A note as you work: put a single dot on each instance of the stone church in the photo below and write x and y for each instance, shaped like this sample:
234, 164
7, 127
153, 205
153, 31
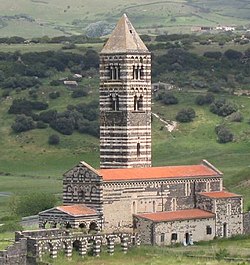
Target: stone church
165, 205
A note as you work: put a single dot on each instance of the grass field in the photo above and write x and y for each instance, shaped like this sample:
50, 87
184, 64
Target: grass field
147, 255
62, 17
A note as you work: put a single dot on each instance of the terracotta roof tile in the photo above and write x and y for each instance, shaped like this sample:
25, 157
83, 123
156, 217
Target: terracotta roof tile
177, 215
76, 210
219, 194
157, 172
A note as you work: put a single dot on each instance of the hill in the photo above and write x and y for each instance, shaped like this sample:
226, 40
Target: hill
28, 162
33, 18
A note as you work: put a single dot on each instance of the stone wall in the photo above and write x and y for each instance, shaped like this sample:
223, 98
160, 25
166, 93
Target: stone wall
14, 254
229, 218
123, 199
246, 223
186, 231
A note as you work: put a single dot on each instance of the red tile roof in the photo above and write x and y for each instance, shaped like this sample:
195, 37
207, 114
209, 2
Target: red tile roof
219, 194
177, 215
76, 210
157, 172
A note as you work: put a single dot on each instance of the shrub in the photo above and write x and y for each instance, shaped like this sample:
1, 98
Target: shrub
55, 83
185, 115
54, 95
48, 116
33, 203
41, 125
5, 93
224, 134
79, 93
169, 98
64, 125
54, 139
23, 123
236, 117
221, 107
204, 99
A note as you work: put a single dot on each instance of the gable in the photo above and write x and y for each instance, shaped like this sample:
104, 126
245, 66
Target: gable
82, 173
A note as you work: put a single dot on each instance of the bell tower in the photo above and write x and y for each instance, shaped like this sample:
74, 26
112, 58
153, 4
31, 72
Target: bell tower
125, 99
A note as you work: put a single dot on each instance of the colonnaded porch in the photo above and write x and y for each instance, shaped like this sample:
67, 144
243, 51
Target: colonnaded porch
54, 241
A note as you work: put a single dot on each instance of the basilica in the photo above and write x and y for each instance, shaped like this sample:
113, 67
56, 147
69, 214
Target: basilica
165, 205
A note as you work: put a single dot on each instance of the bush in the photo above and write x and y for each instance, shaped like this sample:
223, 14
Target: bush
204, 99
54, 95
23, 123
236, 117
5, 93
55, 83
168, 98
185, 115
64, 125
48, 116
79, 93
32, 203
41, 125
223, 108
224, 134
54, 139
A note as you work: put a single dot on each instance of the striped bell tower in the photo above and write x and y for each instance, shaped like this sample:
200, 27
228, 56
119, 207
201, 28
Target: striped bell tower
125, 99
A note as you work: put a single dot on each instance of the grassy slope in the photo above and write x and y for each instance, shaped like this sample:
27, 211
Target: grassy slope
53, 16
146, 255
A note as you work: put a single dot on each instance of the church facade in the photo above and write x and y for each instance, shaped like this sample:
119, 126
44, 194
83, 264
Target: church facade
164, 205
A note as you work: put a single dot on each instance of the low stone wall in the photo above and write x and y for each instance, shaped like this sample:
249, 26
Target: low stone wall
246, 223
15, 254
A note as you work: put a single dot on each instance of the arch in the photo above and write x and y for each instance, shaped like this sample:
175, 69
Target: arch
93, 227
68, 225
83, 225
134, 207
76, 245
47, 247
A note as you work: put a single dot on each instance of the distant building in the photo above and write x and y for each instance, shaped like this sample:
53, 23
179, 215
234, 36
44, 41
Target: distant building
70, 84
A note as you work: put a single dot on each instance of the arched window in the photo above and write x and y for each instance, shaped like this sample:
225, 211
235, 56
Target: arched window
138, 149
140, 103
135, 102
117, 102
134, 209
173, 204
141, 72
154, 207
114, 101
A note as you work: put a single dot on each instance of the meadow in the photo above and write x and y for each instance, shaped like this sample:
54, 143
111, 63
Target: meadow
205, 253
56, 17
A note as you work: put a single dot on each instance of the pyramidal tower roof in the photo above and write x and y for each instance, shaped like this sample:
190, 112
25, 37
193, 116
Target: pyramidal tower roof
124, 39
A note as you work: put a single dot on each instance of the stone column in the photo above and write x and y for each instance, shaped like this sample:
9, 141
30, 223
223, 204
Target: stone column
83, 249
97, 247
124, 243
53, 252
68, 251
110, 246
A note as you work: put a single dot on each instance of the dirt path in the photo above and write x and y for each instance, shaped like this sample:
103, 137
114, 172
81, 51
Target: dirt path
170, 125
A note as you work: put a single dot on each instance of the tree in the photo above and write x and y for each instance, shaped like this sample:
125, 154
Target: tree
221, 107
54, 139
23, 123
33, 203
167, 98
79, 93
185, 115
224, 134
232, 54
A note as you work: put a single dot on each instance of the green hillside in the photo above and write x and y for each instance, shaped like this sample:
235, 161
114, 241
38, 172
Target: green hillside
28, 163
31, 18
